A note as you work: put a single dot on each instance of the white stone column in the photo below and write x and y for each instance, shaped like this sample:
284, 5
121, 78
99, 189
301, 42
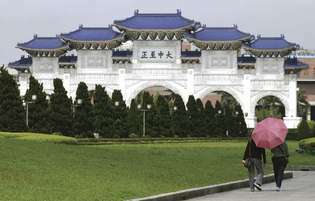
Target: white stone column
122, 81
190, 83
249, 115
291, 120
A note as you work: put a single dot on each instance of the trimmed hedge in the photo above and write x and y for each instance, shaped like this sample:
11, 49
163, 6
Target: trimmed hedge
308, 145
101, 141
38, 137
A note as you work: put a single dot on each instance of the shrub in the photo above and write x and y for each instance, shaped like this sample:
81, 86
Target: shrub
308, 145
133, 135
303, 129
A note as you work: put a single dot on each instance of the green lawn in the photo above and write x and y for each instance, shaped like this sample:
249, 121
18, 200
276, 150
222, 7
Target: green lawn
35, 169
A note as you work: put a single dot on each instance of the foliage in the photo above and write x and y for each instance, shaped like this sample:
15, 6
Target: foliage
303, 129
102, 112
239, 124
193, 114
133, 119
60, 110
179, 117
82, 122
12, 115
269, 106
219, 120
307, 145
38, 137
119, 115
302, 104
162, 123
209, 119
38, 116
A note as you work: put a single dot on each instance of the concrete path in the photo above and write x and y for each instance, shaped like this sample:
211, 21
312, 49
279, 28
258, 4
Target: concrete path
300, 188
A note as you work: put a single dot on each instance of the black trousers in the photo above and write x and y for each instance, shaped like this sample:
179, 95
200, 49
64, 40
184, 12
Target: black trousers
279, 165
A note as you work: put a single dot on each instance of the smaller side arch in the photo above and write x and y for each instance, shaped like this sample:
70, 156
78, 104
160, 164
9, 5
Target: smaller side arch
234, 93
282, 97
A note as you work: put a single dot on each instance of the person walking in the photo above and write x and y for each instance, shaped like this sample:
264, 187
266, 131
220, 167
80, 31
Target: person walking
255, 155
280, 155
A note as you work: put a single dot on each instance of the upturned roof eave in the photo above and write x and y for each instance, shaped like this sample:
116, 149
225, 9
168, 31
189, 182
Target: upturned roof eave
218, 41
117, 38
122, 27
63, 48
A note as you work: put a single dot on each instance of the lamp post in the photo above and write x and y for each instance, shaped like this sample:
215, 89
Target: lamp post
25, 103
144, 110
79, 102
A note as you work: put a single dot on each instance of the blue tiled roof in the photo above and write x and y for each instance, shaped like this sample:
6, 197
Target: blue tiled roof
271, 43
219, 34
21, 64
43, 43
125, 53
246, 59
191, 53
294, 63
152, 21
68, 59
92, 34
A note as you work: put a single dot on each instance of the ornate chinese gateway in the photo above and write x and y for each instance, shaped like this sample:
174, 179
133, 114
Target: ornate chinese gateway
146, 50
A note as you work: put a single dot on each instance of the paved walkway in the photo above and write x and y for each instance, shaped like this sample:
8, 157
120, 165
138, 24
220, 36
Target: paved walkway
300, 188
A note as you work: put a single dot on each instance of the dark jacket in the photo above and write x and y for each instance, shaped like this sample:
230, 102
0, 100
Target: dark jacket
256, 152
280, 151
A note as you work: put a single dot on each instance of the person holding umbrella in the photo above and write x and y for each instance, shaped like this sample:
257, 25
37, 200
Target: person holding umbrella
252, 160
280, 155
271, 133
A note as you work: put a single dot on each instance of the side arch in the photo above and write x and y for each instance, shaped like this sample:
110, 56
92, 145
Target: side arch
282, 97
134, 90
233, 92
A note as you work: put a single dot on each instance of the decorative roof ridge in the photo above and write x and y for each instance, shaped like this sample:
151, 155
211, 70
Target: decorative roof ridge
136, 13
81, 27
281, 37
36, 37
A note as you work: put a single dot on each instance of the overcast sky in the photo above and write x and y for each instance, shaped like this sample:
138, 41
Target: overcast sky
21, 19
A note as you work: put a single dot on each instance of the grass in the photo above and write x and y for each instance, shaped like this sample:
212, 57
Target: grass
35, 170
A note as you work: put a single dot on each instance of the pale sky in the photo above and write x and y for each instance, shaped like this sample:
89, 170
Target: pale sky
21, 19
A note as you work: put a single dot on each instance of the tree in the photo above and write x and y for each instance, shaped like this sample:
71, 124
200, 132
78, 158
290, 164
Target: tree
193, 115
163, 118
201, 121
133, 119
209, 119
82, 122
12, 115
240, 128
60, 110
119, 115
219, 120
38, 116
102, 112
179, 117
145, 100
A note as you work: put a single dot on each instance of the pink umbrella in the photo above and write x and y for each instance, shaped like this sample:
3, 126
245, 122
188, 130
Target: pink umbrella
270, 133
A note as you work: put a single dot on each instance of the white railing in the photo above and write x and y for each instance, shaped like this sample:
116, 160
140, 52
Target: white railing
97, 78
209, 79
156, 74
276, 85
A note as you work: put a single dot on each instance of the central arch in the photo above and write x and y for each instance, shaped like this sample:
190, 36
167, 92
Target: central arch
134, 90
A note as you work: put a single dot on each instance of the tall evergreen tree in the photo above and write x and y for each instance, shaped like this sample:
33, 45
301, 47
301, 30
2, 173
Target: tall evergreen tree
180, 119
209, 119
201, 123
163, 118
60, 110
119, 115
38, 116
133, 119
12, 115
239, 124
82, 122
103, 120
193, 115
219, 120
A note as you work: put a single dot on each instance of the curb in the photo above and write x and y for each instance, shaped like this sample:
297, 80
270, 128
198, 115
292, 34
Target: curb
301, 168
202, 191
